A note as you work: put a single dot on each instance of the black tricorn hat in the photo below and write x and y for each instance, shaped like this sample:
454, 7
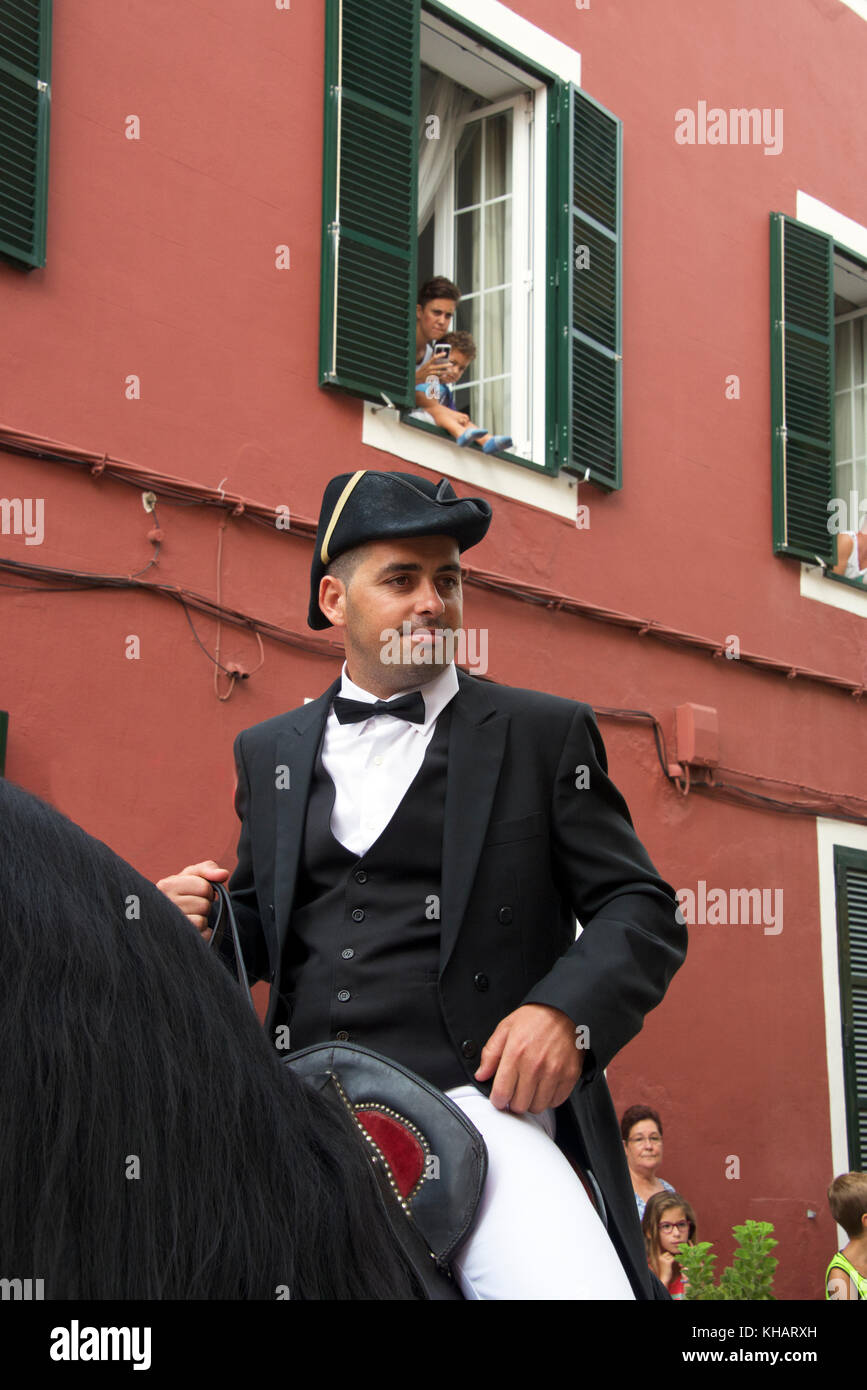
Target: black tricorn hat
372, 505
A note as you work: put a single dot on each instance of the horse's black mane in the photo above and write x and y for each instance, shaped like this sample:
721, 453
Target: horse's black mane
151, 1143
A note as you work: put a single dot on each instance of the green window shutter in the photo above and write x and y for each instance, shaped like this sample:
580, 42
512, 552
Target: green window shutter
370, 197
25, 73
802, 388
589, 373
850, 869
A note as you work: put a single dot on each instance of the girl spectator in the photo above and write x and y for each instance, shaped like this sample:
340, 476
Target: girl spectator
668, 1222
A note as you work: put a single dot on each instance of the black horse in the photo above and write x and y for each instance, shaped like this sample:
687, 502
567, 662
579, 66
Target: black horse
152, 1146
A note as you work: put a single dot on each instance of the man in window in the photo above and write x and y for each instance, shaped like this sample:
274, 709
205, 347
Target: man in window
437, 301
413, 888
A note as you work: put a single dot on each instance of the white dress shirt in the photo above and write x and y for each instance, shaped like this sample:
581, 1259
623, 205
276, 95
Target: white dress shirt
373, 763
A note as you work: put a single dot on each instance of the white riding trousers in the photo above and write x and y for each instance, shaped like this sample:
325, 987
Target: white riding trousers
537, 1234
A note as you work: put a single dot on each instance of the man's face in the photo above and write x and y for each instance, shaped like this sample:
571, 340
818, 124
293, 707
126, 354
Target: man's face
400, 595
434, 319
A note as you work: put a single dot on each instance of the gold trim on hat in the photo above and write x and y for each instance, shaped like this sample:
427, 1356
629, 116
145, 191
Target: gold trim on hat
335, 515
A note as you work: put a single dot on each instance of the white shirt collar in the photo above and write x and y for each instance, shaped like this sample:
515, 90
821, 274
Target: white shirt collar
436, 695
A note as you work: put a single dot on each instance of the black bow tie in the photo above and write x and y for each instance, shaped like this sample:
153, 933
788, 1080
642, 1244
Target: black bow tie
410, 707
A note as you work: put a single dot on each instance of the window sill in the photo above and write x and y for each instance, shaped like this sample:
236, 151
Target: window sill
416, 441
505, 457
833, 589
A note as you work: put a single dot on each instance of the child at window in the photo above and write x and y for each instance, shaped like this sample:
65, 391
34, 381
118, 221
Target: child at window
846, 1275
668, 1222
852, 555
439, 399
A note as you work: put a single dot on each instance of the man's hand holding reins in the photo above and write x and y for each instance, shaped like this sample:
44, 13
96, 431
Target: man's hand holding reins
191, 891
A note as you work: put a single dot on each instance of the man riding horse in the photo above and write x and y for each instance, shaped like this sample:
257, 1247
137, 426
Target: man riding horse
415, 847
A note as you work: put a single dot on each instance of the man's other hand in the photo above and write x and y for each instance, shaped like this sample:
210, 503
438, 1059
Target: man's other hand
191, 891
533, 1058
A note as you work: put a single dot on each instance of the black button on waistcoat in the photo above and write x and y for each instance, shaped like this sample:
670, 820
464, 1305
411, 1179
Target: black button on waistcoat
358, 914
504, 915
347, 953
468, 1048
481, 982
343, 995
360, 875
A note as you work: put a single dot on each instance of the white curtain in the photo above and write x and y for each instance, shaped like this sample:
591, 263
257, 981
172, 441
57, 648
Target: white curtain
851, 413
447, 101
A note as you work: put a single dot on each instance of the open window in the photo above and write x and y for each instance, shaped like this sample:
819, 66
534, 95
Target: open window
819, 391
476, 222
449, 153
850, 872
25, 68
850, 392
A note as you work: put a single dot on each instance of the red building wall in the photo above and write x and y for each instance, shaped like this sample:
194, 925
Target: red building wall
161, 264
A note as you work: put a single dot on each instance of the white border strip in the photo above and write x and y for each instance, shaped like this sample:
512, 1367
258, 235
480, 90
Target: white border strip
826, 219
815, 586
519, 34
382, 429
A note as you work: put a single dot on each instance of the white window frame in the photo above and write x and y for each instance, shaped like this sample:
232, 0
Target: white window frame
846, 835
525, 269
848, 233
849, 390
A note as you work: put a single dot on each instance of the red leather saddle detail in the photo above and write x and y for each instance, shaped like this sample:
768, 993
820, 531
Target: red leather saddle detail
401, 1149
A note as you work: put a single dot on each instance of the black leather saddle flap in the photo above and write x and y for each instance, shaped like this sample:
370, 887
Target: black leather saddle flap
443, 1202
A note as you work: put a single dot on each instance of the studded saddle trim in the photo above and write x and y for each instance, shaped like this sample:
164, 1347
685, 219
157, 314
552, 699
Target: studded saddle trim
378, 1155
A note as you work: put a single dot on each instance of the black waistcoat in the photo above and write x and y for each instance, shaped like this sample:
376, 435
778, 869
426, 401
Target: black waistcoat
363, 960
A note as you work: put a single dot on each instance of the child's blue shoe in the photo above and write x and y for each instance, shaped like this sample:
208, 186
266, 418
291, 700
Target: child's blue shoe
497, 443
469, 435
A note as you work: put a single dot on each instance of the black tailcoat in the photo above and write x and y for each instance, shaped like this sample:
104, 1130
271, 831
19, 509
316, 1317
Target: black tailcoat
535, 835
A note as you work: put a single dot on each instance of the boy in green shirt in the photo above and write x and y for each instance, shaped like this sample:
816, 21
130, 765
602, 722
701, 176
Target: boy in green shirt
846, 1275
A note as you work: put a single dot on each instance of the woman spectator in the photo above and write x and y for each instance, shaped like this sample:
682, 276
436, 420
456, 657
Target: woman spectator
641, 1130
